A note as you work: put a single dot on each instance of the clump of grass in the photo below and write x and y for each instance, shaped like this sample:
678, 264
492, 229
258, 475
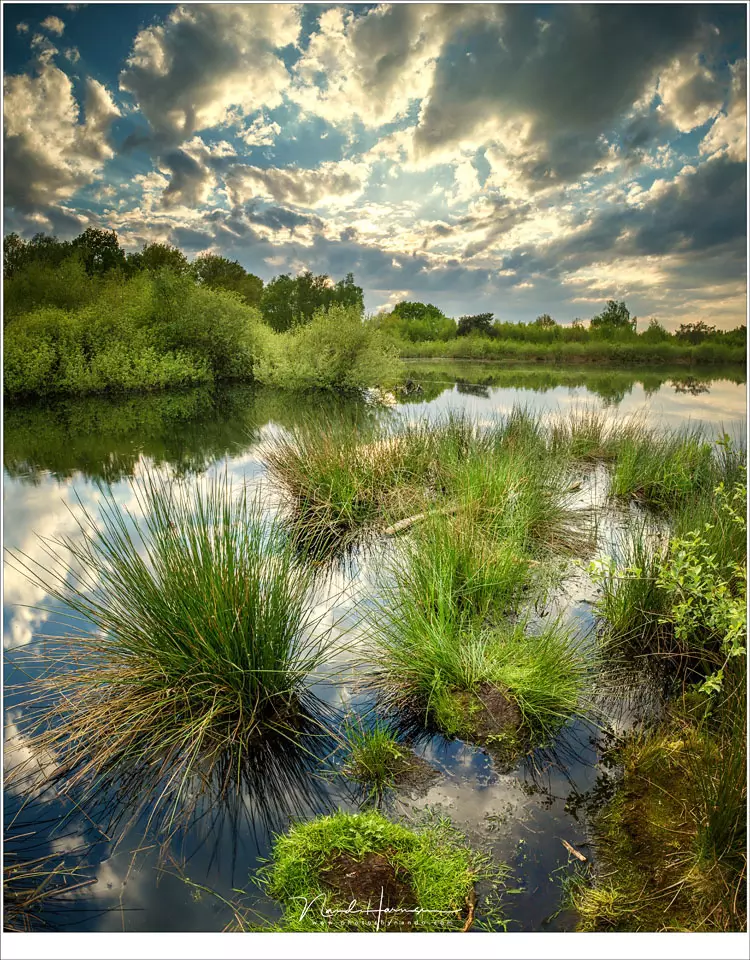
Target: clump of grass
663, 470
203, 638
397, 876
632, 607
521, 497
455, 574
375, 755
584, 434
532, 680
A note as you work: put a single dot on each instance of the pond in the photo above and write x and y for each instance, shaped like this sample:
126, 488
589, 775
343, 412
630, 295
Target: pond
54, 459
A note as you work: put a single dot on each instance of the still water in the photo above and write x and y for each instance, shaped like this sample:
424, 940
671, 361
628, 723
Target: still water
54, 459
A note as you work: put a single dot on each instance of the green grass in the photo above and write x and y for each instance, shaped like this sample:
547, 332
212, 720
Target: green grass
587, 349
419, 668
433, 861
202, 645
373, 754
632, 606
663, 470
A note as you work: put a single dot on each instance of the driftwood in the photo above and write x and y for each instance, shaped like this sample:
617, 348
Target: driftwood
407, 522
470, 917
573, 850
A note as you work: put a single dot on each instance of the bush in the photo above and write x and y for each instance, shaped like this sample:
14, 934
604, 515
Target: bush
336, 351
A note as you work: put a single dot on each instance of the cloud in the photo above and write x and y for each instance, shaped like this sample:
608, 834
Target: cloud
260, 133
53, 25
371, 65
49, 152
190, 71
690, 93
72, 54
308, 188
729, 132
22, 27
548, 91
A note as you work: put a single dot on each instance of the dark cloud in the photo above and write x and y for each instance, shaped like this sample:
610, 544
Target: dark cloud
282, 218
569, 72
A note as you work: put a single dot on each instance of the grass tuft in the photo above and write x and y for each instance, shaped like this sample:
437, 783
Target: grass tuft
202, 644
427, 875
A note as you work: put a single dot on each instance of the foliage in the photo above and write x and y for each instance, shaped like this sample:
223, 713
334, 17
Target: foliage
694, 332
545, 321
287, 302
413, 321
479, 323
100, 251
374, 754
218, 273
707, 610
615, 316
334, 351
155, 257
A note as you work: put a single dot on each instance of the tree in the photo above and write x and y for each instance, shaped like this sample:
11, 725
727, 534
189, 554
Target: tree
480, 323
287, 301
157, 256
545, 321
655, 333
14, 254
615, 316
694, 332
412, 320
100, 251
220, 273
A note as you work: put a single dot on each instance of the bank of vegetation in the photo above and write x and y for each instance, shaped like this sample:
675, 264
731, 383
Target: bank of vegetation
83, 317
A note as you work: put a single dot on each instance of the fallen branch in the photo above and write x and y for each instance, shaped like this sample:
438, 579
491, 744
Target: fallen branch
407, 522
573, 850
470, 917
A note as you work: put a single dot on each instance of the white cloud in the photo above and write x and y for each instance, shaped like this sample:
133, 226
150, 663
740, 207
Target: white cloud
729, 132
309, 188
53, 25
22, 27
261, 132
374, 64
204, 61
50, 152
690, 93
72, 54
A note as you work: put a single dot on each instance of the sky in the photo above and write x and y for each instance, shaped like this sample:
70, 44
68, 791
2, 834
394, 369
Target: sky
513, 158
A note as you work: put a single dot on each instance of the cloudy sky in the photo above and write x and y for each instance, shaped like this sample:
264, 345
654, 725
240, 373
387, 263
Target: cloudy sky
518, 158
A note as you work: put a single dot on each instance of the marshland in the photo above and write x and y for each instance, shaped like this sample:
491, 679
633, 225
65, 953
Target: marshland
478, 643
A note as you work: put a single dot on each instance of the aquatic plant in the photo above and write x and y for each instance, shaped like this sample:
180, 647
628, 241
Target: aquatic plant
374, 755
477, 684
398, 876
203, 638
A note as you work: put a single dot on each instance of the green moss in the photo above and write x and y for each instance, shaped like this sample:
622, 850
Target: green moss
670, 843
433, 866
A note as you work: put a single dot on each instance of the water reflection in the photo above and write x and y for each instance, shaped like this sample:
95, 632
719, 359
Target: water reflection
519, 815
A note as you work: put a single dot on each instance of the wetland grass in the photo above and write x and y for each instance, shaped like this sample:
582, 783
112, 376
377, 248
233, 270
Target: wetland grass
200, 644
362, 872
663, 470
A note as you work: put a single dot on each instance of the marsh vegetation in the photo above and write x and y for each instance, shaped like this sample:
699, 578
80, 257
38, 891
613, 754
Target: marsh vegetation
196, 662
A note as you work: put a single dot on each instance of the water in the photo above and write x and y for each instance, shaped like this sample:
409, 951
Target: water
53, 459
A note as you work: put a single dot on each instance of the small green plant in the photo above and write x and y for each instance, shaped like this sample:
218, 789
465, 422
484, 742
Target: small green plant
374, 755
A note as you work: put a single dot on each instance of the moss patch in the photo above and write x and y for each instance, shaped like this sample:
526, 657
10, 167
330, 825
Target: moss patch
656, 870
330, 874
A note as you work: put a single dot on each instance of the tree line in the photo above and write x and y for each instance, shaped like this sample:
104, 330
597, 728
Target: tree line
67, 274
45, 271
